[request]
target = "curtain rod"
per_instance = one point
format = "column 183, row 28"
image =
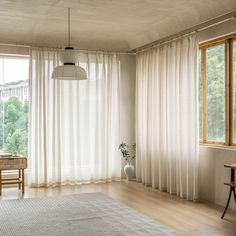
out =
column 195, row 29
column 79, row 50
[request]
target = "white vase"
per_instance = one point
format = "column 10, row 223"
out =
column 129, row 171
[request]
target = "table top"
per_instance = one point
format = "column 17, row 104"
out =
column 232, row 166
column 13, row 163
column 11, row 157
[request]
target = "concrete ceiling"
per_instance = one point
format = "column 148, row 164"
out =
column 103, row 24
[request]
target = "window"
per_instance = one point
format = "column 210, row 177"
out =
column 217, row 91
column 13, row 106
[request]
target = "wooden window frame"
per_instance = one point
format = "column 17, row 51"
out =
column 228, row 43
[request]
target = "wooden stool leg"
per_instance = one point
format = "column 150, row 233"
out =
column 0, row 182
column 19, row 176
column 23, row 181
column 230, row 191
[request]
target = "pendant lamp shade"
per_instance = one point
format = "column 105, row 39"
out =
column 69, row 71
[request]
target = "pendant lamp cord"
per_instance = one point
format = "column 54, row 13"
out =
column 69, row 26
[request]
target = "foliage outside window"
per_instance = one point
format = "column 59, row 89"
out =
column 217, row 92
column 14, row 105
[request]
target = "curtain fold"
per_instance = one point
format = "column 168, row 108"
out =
column 74, row 125
column 167, row 117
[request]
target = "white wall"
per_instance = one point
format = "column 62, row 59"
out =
column 220, row 30
column 127, row 102
column 11, row 49
column 212, row 173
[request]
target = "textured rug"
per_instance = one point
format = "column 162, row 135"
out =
column 92, row 214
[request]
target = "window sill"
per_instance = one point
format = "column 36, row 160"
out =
column 218, row 146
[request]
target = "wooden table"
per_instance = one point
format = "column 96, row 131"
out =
column 231, row 184
column 13, row 163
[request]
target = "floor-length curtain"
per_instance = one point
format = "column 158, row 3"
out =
column 74, row 125
column 167, row 117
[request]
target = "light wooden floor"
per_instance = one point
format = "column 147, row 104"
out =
column 185, row 217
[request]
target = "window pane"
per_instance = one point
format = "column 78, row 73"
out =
column 234, row 91
column 215, row 75
column 14, row 105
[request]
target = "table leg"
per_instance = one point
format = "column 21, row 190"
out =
column 233, row 180
column 234, row 194
column 232, row 176
column 230, row 191
column 0, row 182
column 23, row 181
column 19, row 176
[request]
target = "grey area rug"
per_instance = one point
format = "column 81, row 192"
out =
column 92, row 214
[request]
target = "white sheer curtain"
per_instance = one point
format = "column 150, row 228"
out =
column 167, row 117
column 74, row 125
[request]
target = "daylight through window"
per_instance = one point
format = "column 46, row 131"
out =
column 14, row 104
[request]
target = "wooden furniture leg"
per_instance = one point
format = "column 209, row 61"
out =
column 23, row 181
column 19, row 176
column 0, row 182
column 234, row 195
column 230, row 191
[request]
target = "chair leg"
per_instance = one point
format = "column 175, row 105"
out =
column 230, row 191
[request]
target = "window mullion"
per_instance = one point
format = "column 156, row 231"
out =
column 227, row 96
column 229, row 74
column 204, row 95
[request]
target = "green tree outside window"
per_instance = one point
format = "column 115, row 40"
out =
column 14, row 126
